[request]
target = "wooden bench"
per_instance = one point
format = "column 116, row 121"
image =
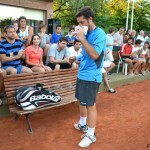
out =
column 62, row 82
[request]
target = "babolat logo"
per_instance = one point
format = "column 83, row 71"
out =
column 45, row 97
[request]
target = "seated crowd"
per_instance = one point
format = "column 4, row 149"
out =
column 22, row 51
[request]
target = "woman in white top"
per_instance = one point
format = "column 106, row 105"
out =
column 25, row 32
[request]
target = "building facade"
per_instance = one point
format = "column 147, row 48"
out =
column 34, row 10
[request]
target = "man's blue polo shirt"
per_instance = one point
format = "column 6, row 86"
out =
column 91, row 70
column 55, row 38
column 11, row 49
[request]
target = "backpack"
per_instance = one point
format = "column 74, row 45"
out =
column 34, row 97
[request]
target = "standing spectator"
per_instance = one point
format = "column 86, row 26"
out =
column 125, row 37
column 129, row 32
column 45, row 41
column 57, row 35
column 70, row 37
column 134, row 35
column 25, row 32
column 141, row 37
column 11, row 53
column 118, row 37
column 34, row 55
column 109, row 45
column 147, row 38
column 128, row 56
column 57, row 55
column 89, row 74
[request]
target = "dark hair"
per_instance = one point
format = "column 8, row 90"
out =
column 13, row 22
column 63, row 39
column 130, row 38
column 138, row 41
column 22, row 17
column 31, row 43
column 42, row 26
column 8, row 27
column 86, row 12
column 58, row 26
column 146, row 43
column 121, row 28
column 71, row 28
column 111, row 30
column 75, row 41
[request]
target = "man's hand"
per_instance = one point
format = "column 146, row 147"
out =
column 20, row 53
column 72, row 59
column 133, row 55
column 80, row 34
column 66, row 60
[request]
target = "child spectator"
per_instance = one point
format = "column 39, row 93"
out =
column 57, row 35
column 25, row 32
column 34, row 55
column 45, row 41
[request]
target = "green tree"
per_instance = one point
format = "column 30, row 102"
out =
column 65, row 10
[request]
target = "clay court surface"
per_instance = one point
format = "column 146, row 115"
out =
column 123, row 124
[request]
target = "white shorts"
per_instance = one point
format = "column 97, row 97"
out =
column 103, row 70
column 109, row 56
column 107, row 64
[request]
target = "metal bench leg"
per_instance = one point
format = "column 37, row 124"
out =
column 29, row 124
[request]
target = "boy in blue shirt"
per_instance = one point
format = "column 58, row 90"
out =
column 57, row 35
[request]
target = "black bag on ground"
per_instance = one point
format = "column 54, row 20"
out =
column 34, row 97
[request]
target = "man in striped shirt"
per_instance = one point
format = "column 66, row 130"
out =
column 11, row 53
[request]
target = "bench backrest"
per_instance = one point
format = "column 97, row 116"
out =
column 62, row 82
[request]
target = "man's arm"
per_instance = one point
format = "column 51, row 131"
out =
column 4, row 58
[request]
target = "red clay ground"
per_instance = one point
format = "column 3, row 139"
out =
column 123, row 124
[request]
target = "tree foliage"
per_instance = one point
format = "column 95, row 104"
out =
column 107, row 12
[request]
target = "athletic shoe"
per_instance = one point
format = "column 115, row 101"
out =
column 111, row 91
column 87, row 140
column 81, row 128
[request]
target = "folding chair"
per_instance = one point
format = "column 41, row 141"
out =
column 124, row 65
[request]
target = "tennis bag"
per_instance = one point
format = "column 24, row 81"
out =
column 34, row 97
